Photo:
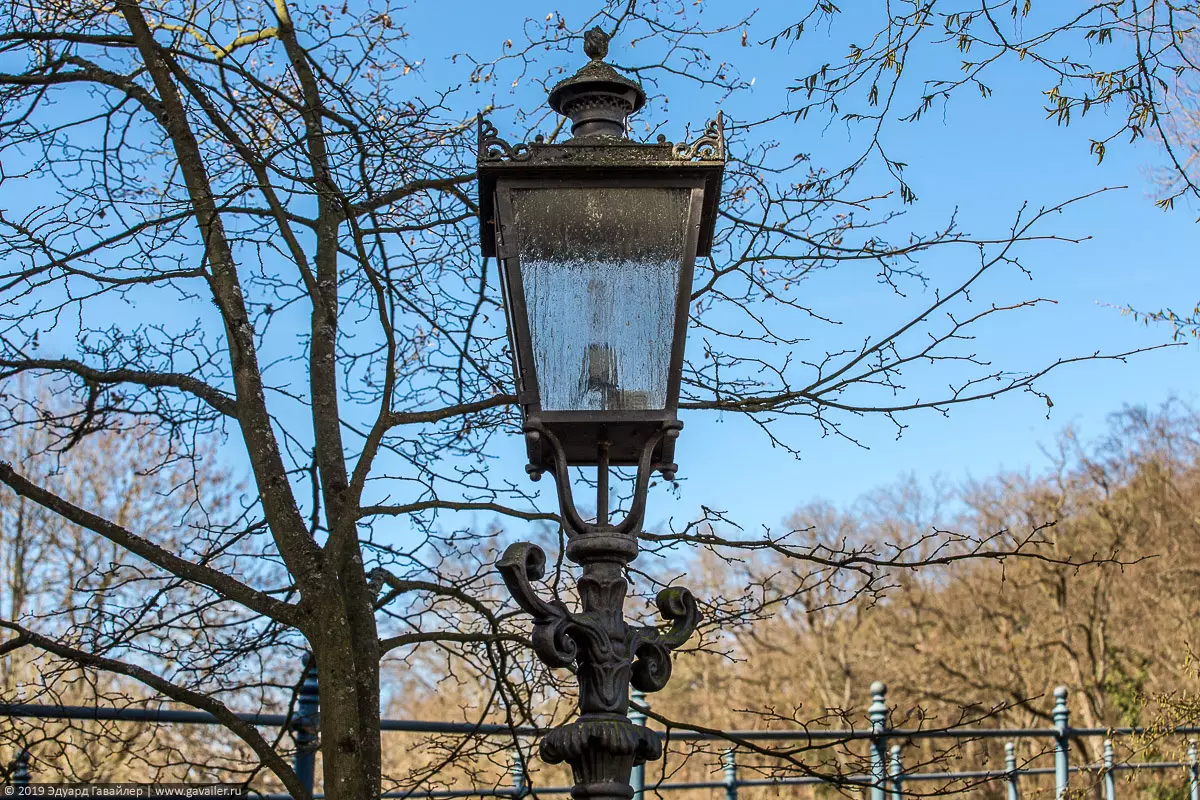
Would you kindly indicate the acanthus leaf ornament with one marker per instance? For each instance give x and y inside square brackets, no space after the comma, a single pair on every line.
[609,655]
[607,652]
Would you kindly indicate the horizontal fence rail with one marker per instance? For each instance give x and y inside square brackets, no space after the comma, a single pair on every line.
[885,780]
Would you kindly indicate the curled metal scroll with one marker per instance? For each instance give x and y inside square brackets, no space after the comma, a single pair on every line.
[521,564]
[493,148]
[652,647]
[562,637]
[709,147]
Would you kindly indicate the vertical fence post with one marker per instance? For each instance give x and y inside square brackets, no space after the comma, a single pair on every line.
[637,778]
[306,724]
[1193,771]
[878,714]
[1110,777]
[729,763]
[1062,723]
[1010,770]
[20,768]
[520,780]
[896,773]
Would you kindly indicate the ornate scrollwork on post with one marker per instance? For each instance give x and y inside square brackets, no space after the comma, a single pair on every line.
[709,147]
[562,637]
[652,650]
[608,653]
[602,746]
[521,565]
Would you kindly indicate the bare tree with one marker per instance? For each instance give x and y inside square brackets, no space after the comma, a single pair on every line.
[235,220]
[72,584]
[985,643]
[1131,65]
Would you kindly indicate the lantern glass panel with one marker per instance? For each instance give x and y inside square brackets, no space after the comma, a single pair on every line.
[600,268]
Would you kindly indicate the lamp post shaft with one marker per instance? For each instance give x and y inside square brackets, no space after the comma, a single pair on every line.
[602,745]
[602,484]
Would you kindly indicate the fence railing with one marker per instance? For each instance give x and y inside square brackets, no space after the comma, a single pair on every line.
[885,780]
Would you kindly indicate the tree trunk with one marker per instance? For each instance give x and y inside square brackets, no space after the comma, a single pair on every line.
[349,689]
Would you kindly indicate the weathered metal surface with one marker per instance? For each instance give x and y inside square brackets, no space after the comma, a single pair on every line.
[19,770]
[1193,772]
[306,726]
[637,778]
[1110,777]
[597,99]
[729,773]
[895,775]
[1010,771]
[612,159]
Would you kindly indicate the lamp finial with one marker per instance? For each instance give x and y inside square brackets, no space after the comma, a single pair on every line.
[597,98]
[595,44]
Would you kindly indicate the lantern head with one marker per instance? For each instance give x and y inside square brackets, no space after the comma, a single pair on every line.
[596,238]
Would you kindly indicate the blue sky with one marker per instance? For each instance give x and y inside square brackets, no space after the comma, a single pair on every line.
[982,159]
[1136,255]
[979,159]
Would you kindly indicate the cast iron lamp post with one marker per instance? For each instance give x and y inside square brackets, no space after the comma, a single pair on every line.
[596,238]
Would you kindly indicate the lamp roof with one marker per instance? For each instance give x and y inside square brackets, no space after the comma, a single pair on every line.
[596,83]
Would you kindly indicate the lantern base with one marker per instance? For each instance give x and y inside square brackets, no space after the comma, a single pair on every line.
[580,435]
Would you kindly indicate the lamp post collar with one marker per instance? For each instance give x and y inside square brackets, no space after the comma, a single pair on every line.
[597,99]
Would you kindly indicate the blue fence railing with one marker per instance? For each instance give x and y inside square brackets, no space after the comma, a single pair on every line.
[885,780]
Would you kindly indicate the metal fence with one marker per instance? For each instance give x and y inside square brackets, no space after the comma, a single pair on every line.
[885,780]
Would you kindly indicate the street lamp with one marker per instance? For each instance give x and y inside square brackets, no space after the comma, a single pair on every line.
[596,238]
